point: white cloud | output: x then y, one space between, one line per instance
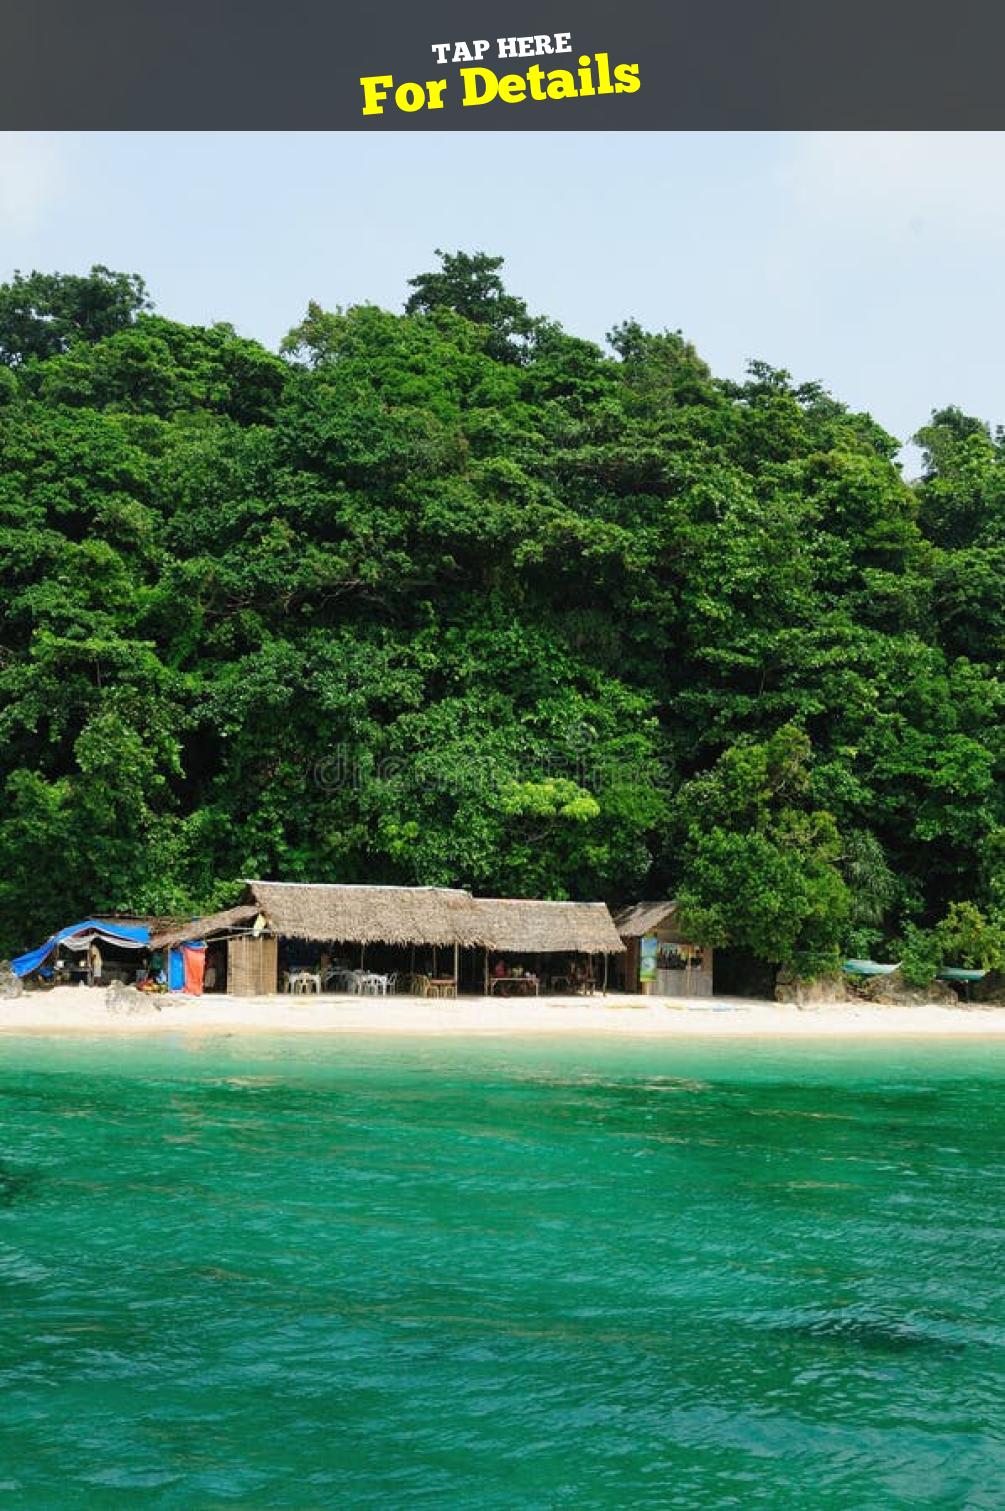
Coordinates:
899 183
31 179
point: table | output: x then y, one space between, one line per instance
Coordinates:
495 981
574 986
443 986
340 978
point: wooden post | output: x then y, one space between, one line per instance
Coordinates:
606 959
486 970
456 978
362 952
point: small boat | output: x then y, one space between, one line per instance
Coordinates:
869 968
959 973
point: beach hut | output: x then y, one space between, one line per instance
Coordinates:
273 913
356 915
659 960
275 917
533 927
239 956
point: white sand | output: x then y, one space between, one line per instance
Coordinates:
67 1010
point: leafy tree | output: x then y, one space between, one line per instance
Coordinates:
42 314
469 284
760 865
966 938
872 887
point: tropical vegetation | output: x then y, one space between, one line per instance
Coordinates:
453 596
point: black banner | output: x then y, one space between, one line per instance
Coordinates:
301 64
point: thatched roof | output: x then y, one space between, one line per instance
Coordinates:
360 914
205 927
155 922
367 914
640 918
531 927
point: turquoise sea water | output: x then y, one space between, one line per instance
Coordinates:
309 1273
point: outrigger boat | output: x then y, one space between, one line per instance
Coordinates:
869 968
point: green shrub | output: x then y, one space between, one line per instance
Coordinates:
919 955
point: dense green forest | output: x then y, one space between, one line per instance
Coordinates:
452 596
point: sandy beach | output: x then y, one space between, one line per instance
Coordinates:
68 1010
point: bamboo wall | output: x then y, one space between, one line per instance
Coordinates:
252 965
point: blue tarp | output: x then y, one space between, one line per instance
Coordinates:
78 936
175 970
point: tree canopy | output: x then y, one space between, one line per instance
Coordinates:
453 596
44 313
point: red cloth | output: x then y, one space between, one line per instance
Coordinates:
194 957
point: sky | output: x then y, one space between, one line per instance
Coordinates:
868 262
